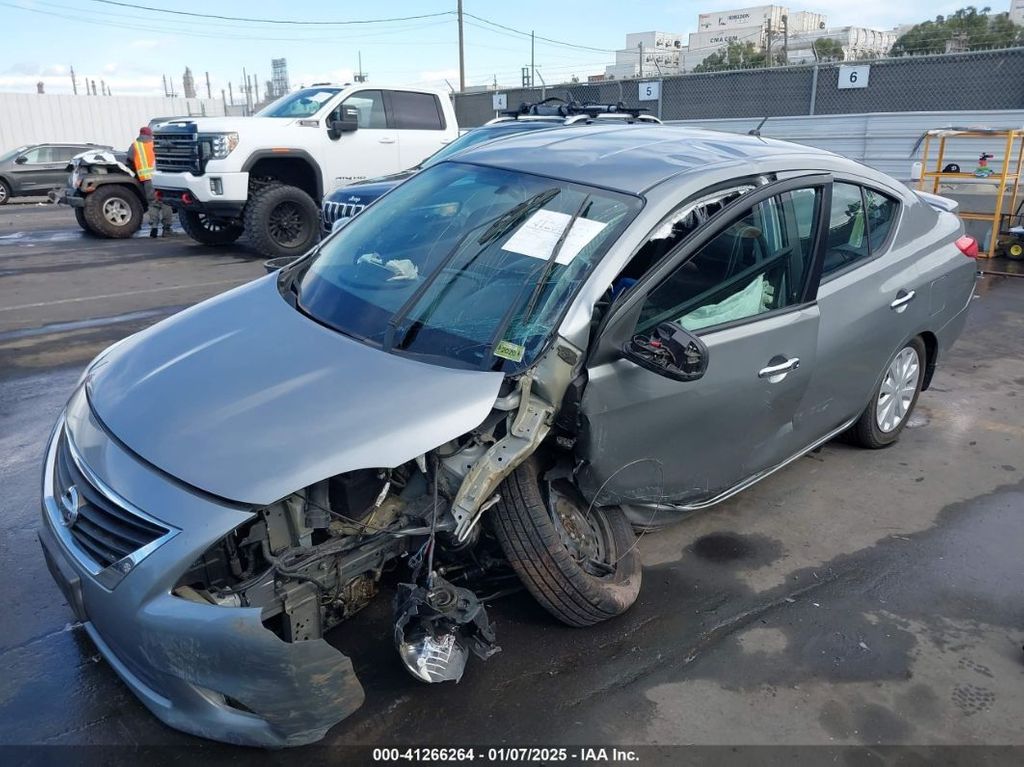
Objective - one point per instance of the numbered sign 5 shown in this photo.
(650, 91)
(854, 76)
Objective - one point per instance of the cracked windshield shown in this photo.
(466, 265)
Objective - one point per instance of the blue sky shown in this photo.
(130, 48)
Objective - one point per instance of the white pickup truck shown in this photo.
(265, 175)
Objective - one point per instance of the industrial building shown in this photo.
(765, 26)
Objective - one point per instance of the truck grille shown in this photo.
(177, 149)
(103, 529)
(332, 211)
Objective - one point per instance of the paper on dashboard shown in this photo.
(539, 234)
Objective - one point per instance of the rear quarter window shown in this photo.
(416, 111)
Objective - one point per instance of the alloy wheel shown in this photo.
(3, 194)
(287, 225)
(117, 211)
(896, 393)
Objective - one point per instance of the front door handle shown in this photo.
(386, 140)
(776, 372)
(903, 298)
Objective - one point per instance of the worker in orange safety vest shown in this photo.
(142, 160)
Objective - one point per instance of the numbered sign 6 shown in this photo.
(854, 76)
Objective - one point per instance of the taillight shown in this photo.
(158, 195)
(968, 246)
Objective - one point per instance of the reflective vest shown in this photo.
(143, 159)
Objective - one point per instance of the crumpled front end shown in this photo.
(214, 670)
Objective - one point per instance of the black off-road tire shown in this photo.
(866, 432)
(207, 231)
(98, 221)
(5, 192)
(264, 211)
(526, 532)
(82, 222)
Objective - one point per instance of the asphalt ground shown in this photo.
(854, 598)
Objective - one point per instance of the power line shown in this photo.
(539, 37)
(136, 6)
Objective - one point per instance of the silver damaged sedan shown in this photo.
(500, 370)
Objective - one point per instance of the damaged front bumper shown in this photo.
(209, 670)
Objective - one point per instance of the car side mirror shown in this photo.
(349, 122)
(21, 160)
(669, 350)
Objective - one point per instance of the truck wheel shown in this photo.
(580, 563)
(113, 211)
(282, 220)
(5, 192)
(206, 230)
(82, 222)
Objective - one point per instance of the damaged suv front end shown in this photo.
(225, 487)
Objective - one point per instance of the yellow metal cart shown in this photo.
(1006, 177)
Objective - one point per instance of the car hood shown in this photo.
(365, 192)
(248, 399)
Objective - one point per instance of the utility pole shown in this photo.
(256, 88)
(209, 93)
(164, 78)
(231, 93)
(74, 81)
(224, 100)
(360, 76)
(785, 38)
(640, 46)
(533, 64)
(768, 57)
(245, 90)
(462, 52)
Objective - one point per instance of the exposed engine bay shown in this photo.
(317, 557)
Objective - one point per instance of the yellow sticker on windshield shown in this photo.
(509, 351)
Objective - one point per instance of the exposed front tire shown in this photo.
(206, 230)
(113, 211)
(282, 220)
(5, 192)
(579, 563)
(894, 398)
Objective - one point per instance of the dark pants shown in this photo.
(159, 213)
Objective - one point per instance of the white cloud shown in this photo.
(145, 44)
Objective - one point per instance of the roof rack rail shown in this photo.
(554, 106)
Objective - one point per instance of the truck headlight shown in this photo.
(217, 146)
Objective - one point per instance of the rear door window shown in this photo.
(881, 216)
(416, 111)
(859, 224)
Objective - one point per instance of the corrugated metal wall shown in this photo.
(30, 118)
(885, 140)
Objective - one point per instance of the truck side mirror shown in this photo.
(21, 160)
(348, 122)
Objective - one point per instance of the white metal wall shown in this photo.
(882, 140)
(30, 118)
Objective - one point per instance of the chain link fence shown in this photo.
(989, 80)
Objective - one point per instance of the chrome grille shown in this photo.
(104, 530)
(332, 211)
(177, 150)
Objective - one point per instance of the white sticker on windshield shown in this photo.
(538, 236)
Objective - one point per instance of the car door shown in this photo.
(33, 171)
(744, 284)
(872, 299)
(370, 150)
(420, 122)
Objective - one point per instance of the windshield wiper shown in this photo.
(498, 226)
(538, 288)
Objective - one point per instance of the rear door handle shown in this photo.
(775, 373)
(903, 298)
(386, 140)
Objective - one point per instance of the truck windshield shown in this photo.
(463, 265)
(302, 103)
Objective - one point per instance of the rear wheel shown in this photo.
(282, 220)
(208, 231)
(579, 562)
(113, 211)
(894, 399)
